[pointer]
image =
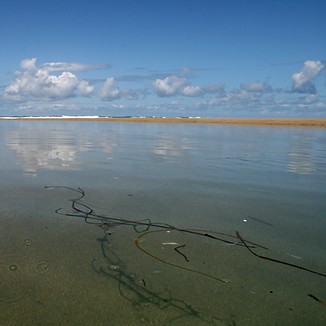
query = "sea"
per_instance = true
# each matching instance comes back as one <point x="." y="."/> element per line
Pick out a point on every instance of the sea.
<point x="118" y="223"/>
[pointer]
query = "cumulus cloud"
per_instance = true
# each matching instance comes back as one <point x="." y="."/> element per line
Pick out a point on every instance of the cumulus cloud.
<point x="109" y="91"/>
<point x="169" y="86"/>
<point x="174" y="85"/>
<point x="72" y="66"/>
<point x="85" y="88"/>
<point x="191" y="91"/>
<point x="199" y="91"/>
<point x="37" y="82"/>
<point x="256" y="87"/>
<point x="28" y="64"/>
<point x="302" y="81"/>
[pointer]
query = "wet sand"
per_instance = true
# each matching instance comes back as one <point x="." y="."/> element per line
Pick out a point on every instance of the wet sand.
<point x="267" y="185"/>
<point x="300" y="122"/>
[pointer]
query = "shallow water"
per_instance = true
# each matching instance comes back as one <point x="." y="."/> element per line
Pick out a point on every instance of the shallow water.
<point x="267" y="183"/>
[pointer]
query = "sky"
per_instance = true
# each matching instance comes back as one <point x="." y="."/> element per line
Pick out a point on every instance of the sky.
<point x="207" y="58"/>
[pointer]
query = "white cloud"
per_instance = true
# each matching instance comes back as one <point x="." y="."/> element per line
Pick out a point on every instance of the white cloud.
<point x="36" y="82"/>
<point x="310" y="99"/>
<point x="173" y="85"/>
<point x="169" y="86"/>
<point x="256" y="87"/>
<point x="302" y="81"/>
<point x="213" y="89"/>
<point x="71" y="66"/>
<point x="132" y="94"/>
<point x="28" y="64"/>
<point x="109" y="91"/>
<point x="85" y="88"/>
<point x="191" y="91"/>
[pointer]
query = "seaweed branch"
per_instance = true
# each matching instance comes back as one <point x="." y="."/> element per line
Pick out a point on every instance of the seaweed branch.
<point x="276" y="260"/>
<point x="181" y="253"/>
<point x="142" y="293"/>
<point x="137" y="243"/>
<point x="112" y="266"/>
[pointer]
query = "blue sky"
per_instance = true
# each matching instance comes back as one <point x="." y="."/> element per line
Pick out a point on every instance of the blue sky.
<point x="206" y="58"/>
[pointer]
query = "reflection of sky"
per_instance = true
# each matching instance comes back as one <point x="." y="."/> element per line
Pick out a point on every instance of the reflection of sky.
<point x="171" y="147"/>
<point x="300" y="156"/>
<point x="52" y="149"/>
<point x="304" y="152"/>
<point x="197" y="149"/>
<point x="35" y="152"/>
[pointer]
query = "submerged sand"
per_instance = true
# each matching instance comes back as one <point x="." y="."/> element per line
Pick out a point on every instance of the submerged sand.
<point x="300" y="122"/>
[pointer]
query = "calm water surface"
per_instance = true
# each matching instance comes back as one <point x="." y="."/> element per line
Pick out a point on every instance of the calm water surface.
<point x="266" y="183"/>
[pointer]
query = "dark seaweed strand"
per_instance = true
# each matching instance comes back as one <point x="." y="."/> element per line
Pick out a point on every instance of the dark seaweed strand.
<point x="103" y="221"/>
<point x="276" y="260"/>
<point x="179" y="252"/>
<point x="91" y="217"/>
<point x="137" y="243"/>
<point x="142" y="292"/>
<point x="187" y="310"/>
<point x="315" y="298"/>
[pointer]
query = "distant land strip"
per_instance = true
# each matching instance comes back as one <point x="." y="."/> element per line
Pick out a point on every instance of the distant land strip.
<point x="299" y="122"/>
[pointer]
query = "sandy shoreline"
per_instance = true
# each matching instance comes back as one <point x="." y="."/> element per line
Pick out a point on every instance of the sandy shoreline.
<point x="300" y="122"/>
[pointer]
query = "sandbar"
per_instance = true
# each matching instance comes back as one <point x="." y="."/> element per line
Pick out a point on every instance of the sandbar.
<point x="299" y="122"/>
